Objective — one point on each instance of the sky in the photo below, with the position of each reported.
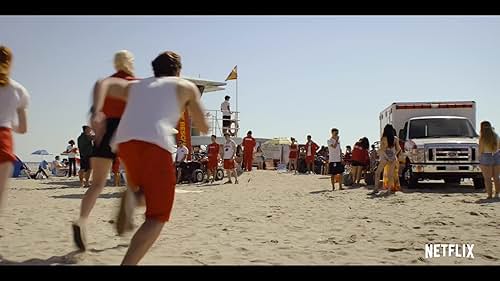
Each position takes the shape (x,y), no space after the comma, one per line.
(298,75)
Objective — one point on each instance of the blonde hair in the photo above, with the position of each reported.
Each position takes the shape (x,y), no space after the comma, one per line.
(488,137)
(124,61)
(5,61)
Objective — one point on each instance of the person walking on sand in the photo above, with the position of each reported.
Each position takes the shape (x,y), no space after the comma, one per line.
(335,166)
(388,151)
(14,101)
(228,155)
(102,156)
(489,161)
(145,141)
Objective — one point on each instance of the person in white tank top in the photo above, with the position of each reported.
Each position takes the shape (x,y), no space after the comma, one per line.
(145,142)
(14,100)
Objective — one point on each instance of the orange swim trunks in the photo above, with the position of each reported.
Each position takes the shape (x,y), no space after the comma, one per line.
(6,146)
(150,168)
(228,164)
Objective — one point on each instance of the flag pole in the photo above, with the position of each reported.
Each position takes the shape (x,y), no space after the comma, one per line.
(237,112)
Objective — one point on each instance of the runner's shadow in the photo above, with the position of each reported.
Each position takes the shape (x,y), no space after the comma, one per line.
(70,258)
(110,248)
(80,196)
(320,191)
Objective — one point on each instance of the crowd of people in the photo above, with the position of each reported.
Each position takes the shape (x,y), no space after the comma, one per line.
(136,119)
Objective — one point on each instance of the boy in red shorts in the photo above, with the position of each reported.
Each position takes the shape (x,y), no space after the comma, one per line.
(145,141)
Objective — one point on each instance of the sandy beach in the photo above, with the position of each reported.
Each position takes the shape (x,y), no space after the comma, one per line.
(270,218)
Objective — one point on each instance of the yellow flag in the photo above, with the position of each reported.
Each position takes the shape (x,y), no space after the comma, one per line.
(234,74)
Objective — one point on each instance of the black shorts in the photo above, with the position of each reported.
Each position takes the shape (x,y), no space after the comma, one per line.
(358,164)
(335,168)
(226,122)
(104,149)
(85,163)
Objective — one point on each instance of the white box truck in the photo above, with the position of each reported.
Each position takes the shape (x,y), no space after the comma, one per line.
(439,140)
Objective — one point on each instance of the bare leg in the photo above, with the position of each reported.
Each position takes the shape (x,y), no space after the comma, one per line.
(6,170)
(228,173)
(496,179)
(80,176)
(87,177)
(358,174)
(487,175)
(101,170)
(235,176)
(378,172)
(142,241)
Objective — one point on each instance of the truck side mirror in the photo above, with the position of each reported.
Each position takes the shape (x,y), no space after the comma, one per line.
(402,134)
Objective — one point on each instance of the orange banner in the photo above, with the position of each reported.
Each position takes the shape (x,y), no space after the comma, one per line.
(184,128)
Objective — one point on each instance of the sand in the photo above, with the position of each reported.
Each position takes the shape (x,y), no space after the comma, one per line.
(270,218)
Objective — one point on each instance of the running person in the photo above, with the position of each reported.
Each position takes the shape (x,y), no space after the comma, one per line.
(146,143)
(213,150)
(14,100)
(102,157)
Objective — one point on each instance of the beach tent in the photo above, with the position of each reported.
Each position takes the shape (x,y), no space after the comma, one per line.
(19,165)
(275,148)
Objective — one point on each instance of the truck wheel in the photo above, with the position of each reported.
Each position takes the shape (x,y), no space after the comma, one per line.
(478,183)
(412,181)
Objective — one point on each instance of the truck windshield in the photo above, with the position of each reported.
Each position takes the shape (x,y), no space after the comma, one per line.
(441,127)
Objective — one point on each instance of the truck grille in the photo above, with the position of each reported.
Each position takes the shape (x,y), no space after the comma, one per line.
(450,154)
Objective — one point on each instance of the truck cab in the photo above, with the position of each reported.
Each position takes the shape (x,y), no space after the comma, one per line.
(439,141)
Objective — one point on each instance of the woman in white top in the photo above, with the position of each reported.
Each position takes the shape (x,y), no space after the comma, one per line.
(14,101)
(71,151)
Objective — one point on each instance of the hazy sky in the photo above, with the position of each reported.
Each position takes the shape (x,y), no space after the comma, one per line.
(298,75)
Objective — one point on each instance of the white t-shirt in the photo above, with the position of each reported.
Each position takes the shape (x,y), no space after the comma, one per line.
(224,107)
(151,114)
(70,153)
(181,152)
(229,149)
(334,153)
(12,97)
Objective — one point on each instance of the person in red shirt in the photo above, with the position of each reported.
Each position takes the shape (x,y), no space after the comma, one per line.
(293,155)
(213,151)
(360,159)
(248,143)
(311,148)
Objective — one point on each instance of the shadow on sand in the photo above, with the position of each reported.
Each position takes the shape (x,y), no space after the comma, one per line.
(70,258)
(80,196)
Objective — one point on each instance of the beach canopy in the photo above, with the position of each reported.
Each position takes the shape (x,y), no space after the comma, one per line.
(41,152)
(278,141)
